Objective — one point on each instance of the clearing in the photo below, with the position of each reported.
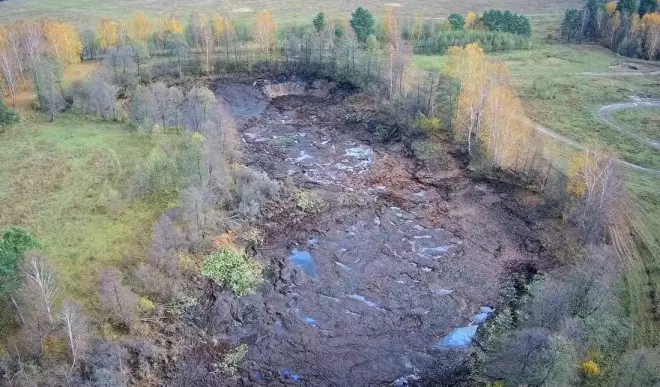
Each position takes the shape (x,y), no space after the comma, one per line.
(53,180)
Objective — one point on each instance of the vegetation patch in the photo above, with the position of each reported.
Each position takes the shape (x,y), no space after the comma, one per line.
(232,268)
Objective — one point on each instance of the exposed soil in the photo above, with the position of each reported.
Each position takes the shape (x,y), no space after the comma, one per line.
(393,258)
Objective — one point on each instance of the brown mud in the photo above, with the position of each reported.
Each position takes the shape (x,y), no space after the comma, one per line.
(390,257)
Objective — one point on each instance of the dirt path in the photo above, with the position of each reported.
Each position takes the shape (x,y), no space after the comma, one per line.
(607,111)
(605,115)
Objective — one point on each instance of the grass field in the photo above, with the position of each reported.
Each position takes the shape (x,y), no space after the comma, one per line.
(556,93)
(84,11)
(642,122)
(52,181)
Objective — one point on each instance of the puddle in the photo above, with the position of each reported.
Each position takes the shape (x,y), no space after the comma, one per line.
(303,260)
(462,337)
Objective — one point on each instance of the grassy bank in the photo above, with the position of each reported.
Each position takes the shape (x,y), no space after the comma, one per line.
(56,178)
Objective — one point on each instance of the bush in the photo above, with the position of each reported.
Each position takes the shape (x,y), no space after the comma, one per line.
(251,190)
(309,202)
(231,267)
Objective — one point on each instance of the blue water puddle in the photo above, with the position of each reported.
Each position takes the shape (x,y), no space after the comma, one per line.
(459,337)
(311,322)
(462,337)
(287,374)
(303,260)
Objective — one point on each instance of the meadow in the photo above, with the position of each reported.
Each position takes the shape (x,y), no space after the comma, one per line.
(85,11)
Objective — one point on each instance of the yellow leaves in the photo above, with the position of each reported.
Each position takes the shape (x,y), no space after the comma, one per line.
(172,26)
(471,20)
(610,7)
(264,29)
(63,41)
(590,368)
(577,185)
(488,109)
(140,26)
(108,34)
(391,24)
(651,19)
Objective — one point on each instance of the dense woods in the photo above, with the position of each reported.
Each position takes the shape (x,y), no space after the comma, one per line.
(153,74)
(626,28)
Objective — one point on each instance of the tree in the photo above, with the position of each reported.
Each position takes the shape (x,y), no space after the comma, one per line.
(627,7)
(196,106)
(456,21)
(102,98)
(75,330)
(647,6)
(43,279)
(610,7)
(651,24)
(319,22)
(119,302)
(595,179)
(63,42)
(176,45)
(15,242)
(10,66)
(362,22)
(7,117)
(572,25)
(140,27)
(264,30)
(47,79)
(90,44)
(471,20)
(614,24)
(108,34)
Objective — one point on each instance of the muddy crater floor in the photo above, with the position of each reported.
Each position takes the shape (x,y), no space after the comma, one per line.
(365,291)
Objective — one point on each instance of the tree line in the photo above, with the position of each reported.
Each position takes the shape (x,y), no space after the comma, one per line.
(625,27)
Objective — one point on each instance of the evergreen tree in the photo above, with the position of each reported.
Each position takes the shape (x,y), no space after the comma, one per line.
(456,21)
(362,22)
(627,6)
(7,116)
(319,22)
(647,6)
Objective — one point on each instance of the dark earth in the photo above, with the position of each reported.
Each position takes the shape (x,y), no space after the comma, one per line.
(390,259)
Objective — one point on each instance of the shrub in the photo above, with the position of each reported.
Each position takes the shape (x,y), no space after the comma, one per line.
(231,267)
(310,202)
(147,305)
(233,359)
(252,189)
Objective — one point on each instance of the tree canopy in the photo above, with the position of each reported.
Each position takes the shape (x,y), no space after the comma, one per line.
(362,22)
(13,245)
(7,116)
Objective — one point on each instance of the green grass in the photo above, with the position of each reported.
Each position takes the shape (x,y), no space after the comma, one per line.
(644,122)
(52,181)
(555,93)
(85,11)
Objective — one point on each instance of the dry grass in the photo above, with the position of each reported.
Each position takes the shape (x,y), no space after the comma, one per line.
(86,11)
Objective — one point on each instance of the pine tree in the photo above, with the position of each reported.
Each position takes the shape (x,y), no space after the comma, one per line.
(7,116)
(319,22)
(627,6)
(647,6)
(362,22)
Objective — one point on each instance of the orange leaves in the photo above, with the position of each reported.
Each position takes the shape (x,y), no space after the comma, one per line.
(108,34)
(651,24)
(264,30)
(172,26)
(610,7)
(225,240)
(63,41)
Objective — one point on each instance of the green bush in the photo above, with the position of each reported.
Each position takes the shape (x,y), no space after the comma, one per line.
(232,268)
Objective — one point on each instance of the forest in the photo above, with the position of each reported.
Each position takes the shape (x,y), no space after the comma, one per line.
(229,113)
